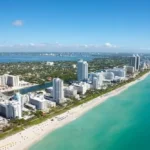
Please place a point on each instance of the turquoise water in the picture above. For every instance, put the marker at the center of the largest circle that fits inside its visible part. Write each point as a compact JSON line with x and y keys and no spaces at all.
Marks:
{"x":120,"y":123}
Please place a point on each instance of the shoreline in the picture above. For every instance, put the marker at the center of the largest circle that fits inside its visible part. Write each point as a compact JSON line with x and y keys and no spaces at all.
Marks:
{"x":25,"y":139}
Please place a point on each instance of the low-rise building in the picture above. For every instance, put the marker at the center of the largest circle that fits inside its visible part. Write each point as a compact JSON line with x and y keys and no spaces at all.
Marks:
{"x":39,"y":101}
{"x":50,"y":63}
{"x":48,"y":96}
{"x":120,"y":72}
{"x":49,"y":90}
{"x":81,"y":87}
{"x":70,"y":92}
{"x":109,"y":76}
{"x":74,"y":66}
{"x":30,"y":106}
{"x":51,"y":103}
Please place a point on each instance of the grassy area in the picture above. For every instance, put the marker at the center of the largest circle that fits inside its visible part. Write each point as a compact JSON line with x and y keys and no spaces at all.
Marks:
{"x":90,"y":95}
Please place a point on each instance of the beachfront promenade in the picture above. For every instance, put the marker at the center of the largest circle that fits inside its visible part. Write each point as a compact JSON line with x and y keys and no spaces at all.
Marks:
{"x":24,"y":139}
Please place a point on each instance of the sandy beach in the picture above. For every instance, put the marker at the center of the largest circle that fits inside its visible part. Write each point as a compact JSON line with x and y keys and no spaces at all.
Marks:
{"x":24,"y":139}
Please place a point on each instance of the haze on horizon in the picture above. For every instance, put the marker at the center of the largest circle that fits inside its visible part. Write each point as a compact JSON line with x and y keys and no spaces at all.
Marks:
{"x":75,"y":25}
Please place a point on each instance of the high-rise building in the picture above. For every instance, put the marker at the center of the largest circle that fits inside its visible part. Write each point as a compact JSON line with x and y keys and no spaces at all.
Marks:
{"x":12,"y":80}
{"x":15,"y":110}
{"x":58,"y":91}
{"x":137,"y":62}
{"x":133,"y":62}
{"x":82,"y":70}
{"x":10,"y":109}
{"x":9,"y":80}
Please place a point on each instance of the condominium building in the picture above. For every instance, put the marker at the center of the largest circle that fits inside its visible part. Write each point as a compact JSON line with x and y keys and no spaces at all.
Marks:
{"x":81,"y":87}
{"x":97,"y":79}
{"x":82,"y":70}
{"x":109,"y":76}
{"x":137,"y":62}
{"x":39,"y":101}
{"x":12,"y":80}
{"x":133,"y":62}
{"x":3,"y":80}
{"x":9,"y":80}
{"x":120,"y":72}
{"x":95,"y":83}
{"x":10,"y":109}
{"x":15,"y":110}
{"x":70,"y":92}
{"x":58,"y":91}
{"x":130,"y":69}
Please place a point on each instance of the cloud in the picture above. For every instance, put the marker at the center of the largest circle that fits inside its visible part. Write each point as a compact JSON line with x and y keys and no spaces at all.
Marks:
{"x":62,"y":46}
{"x":58,"y":47}
{"x":31,"y":44}
{"x":18,"y":23}
{"x":109,"y":45}
{"x":144,"y":48}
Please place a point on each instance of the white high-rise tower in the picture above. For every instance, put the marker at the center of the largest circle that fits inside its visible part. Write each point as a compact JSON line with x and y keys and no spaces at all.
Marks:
{"x":58,"y":91}
{"x":82,"y":71}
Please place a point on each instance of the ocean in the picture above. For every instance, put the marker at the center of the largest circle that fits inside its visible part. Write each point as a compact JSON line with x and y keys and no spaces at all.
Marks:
{"x":120,"y":123}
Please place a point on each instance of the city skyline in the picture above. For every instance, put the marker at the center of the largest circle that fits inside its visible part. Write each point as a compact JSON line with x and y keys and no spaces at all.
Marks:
{"x":63,"y":25}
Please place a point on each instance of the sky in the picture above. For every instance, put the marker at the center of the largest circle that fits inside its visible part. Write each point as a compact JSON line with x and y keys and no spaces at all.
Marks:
{"x":75,"y":25}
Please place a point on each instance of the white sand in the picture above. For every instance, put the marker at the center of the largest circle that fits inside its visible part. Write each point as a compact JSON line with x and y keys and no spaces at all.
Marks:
{"x":27,"y":137}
